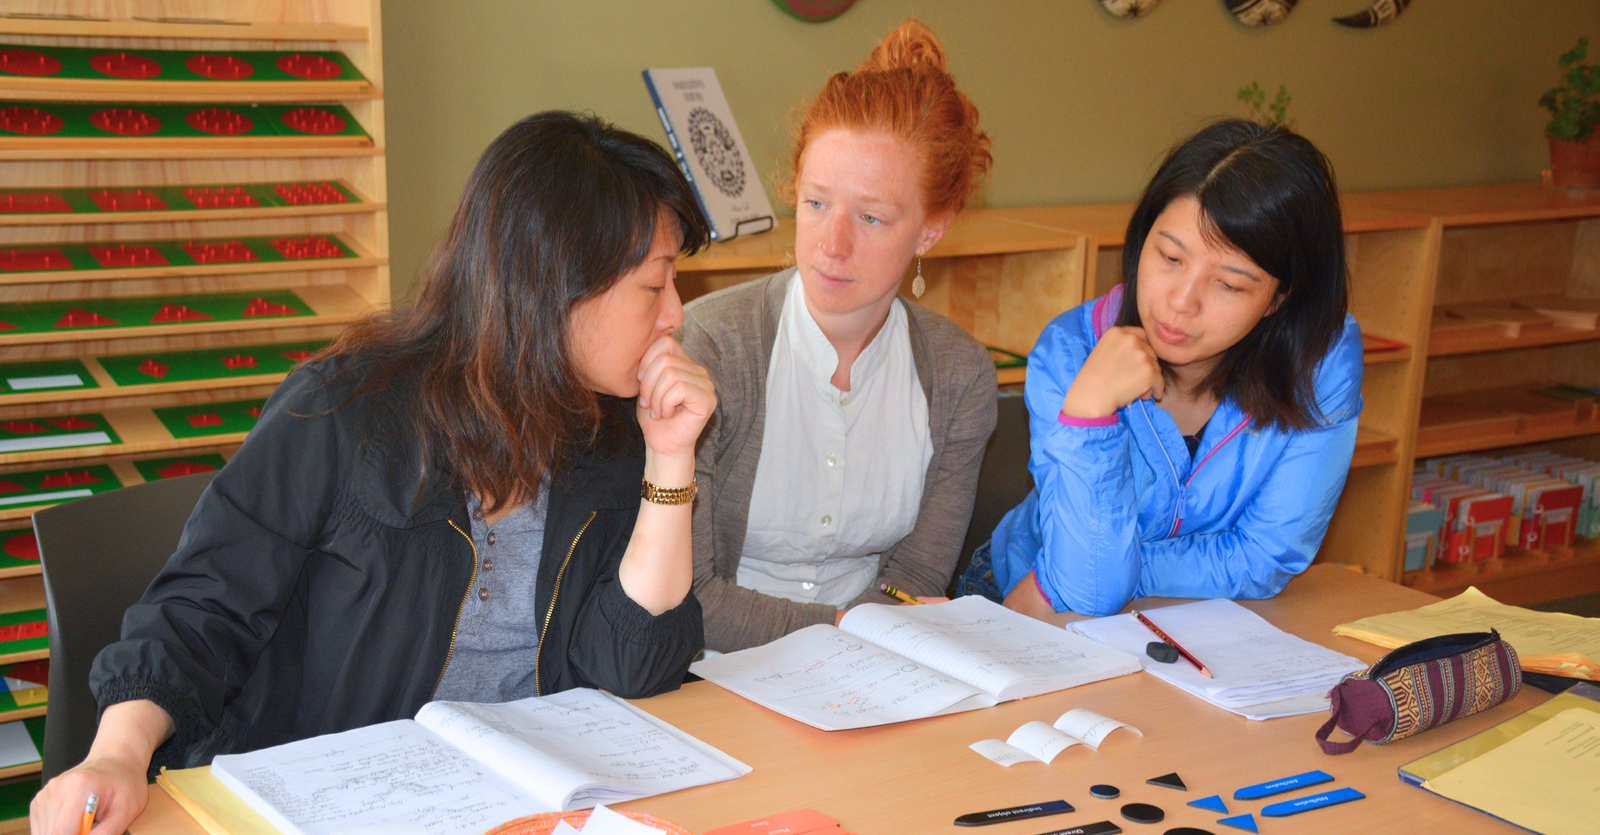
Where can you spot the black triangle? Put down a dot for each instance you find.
(1171, 781)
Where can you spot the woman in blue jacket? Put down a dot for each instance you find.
(1191, 430)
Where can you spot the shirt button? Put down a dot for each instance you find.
(831, 459)
(808, 586)
(483, 594)
(477, 514)
(491, 537)
(488, 565)
(845, 400)
(826, 520)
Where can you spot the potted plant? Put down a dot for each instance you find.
(1574, 107)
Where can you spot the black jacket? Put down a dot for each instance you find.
(316, 590)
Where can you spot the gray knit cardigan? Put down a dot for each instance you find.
(731, 333)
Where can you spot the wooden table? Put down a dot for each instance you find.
(916, 777)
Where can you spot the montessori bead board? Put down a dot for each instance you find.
(109, 126)
(151, 368)
(134, 255)
(19, 551)
(65, 202)
(55, 67)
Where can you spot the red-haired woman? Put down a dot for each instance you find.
(844, 450)
(447, 503)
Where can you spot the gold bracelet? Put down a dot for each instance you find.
(664, 495)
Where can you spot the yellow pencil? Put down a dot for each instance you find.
(88, 814)
(898, 594)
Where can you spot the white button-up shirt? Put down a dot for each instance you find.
(841, 472)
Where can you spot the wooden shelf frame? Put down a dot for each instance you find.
(1001, 280)
(1518, 576)
(130, 28)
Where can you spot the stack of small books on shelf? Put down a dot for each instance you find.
(1536, 501)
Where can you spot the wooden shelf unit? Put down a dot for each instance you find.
(1499, 245)
(338, 290)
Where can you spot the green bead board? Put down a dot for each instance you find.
(205, 419)
(108, 314)
(143, 255)
(45, 375)
(55, 485)
(157, 469)
(209, 364)
(26, 625)
(170, 121)
(60, 432)
(135, 199)
(16, 794)
(101, 64)
(32, 697)
(18, 548)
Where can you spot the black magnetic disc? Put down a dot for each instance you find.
(1188, 830)
(1143, 813)
(1104, 791)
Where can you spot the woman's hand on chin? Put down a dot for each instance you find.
(676, 398)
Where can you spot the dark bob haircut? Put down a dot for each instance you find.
(1270, 194)
(558, 208)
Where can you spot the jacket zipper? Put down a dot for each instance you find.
(538, 653)
(1183, 486)
(459, 609)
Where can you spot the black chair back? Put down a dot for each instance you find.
(1004, 480)
(99, 554)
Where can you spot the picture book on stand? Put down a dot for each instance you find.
(710, 151)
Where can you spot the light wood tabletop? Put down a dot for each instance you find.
(916, 777)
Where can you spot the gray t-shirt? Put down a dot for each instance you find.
(497, 637)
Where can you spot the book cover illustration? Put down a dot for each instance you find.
(706, 141)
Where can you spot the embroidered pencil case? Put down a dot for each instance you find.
(1420, 686)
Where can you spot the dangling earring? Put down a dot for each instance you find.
(918, 286)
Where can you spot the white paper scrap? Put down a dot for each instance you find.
(603, 821)
(1037, 742)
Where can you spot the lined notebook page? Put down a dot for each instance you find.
(392, 772)
(580, 747)
(1006, 654)
(835, 681)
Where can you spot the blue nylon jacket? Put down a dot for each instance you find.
(1121, 511)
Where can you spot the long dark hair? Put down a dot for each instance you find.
(1269, 193)
(559, 207)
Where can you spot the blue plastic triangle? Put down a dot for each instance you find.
(1214, 803)
(1245, 822)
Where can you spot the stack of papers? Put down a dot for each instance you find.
(1260, 671)
(1546, 642)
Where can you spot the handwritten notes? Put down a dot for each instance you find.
(1037, 742)
(1003, 653)
(834, 681)
(396, 771)
(459, 768)
(601, 748)
(1259, 671)
(889, 664)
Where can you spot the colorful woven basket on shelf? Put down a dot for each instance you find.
(545, 823)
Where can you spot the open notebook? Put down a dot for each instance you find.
(459, 768)
(886, 664)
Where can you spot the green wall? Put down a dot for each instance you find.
(1079, 103)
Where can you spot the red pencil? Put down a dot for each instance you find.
(1174, 644)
